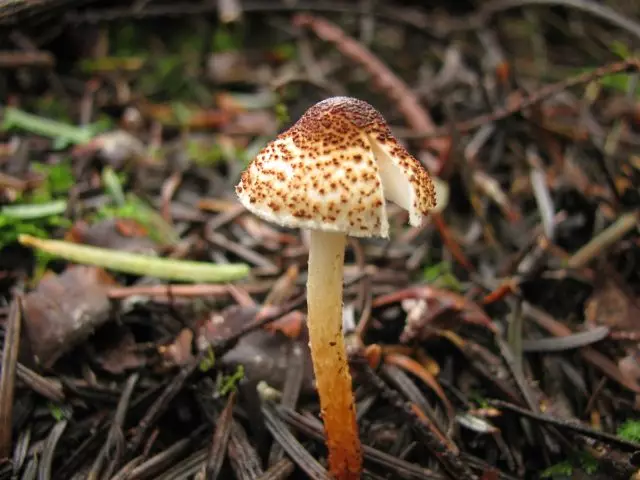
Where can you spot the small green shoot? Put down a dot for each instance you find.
(442, 276)
(59, 179)
(113, 186)
(40, 268)
(589, 463)
(285, 51)
(630, 431)
(126, 40)
(11, 227)
(479, 399)
(564, 469)
(62, 133)
(137, 264)
(164, 75)
(208, 362)
(112, 64)
(181, 113)
(620, 49)
(229, 382)
(41, 210)
(51, 106)
(282, 114)
(226, 39)
(204, 153)
(33, 211)
(618, 81)
(57, 411)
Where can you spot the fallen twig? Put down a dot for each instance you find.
(520, 102)
(172, 290)
(217, 452)
(604, 240)
(592, 356)
(26, 59)
(561, 424)
(8, 376)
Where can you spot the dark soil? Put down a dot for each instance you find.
(499, 340)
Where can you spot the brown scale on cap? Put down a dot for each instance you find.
(326, 172)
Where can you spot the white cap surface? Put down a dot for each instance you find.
(332, 171)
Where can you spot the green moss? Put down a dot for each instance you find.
(57, 412)
(59, 179)
(583, 460)
(208, 362)
(228, 383)
(40, 211)
(630, 431)
(226, 39)
(562, 469)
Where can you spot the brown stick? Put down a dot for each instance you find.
(8, 376)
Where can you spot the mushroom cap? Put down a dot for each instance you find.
(333, 171)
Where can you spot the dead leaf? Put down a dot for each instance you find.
(120, 356)
(262, 353)
(415, 368)
(373, 354)
(490, 474)
(130, 228)
(610, 306)
(290, 324)
(218, 326)
(65, 309)
(284, 288)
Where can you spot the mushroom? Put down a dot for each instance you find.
(331, 173)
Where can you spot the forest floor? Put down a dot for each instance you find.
(499, 340)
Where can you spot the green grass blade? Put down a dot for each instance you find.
(14, 118)
(35, 210)
(136, 264)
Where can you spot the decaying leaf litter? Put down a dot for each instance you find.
(498, 340)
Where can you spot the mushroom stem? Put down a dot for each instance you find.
(333, 380)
